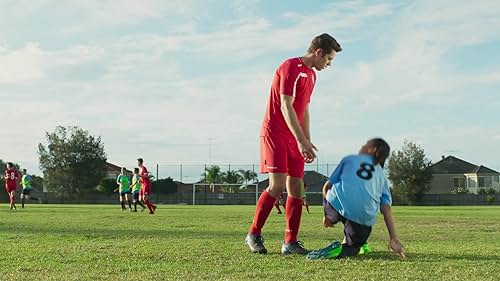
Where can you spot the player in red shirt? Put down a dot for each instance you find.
(146, 186)
(285, 141)
(11, 178)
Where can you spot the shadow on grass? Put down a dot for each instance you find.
(426, 257)
(106, 233)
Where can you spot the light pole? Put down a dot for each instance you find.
(210, 140)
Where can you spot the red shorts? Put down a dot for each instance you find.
(10, 188)
(145, 190)
(281, 155)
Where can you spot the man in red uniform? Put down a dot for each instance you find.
(11, 177)
(285, 141)
(146, 188)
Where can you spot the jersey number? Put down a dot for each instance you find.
(12, 176)
(365, 171)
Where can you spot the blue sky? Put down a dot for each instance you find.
(163, 79)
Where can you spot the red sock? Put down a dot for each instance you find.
(293, 214)
(262, 211)
(150, 206)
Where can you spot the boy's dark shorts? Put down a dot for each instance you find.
(355, 234)
(136, 195)
(26, 191)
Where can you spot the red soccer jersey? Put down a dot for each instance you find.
(292, 78)
(11, 177)
(143, 172)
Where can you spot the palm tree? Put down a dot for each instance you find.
(232, 177)
(212, 175)
(248, 176)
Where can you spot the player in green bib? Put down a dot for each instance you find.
(123, 182)
(26, 183)
(136, 188)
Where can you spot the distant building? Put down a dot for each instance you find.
(112, 171)
(313, 180)
(453, 173)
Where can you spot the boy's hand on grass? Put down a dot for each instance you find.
(397, 248)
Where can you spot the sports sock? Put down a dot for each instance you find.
(262, 211)
(150, 206)
(293, 214)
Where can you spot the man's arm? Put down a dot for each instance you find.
(292, 121)
(306, 124)
(394, 243)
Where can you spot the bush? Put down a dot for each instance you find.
(486, 191)
(107, 186)
(164, 186)
(490, 199)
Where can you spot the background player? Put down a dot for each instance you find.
(123, 182)
(136, 188)
(146, 188)
(11, 178)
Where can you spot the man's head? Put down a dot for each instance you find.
(323, 48)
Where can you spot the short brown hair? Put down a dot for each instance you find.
(382, 150)
(326, 43)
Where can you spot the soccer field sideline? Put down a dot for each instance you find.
(99, 242)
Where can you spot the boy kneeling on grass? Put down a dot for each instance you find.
(353, 195)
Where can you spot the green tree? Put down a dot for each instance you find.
(164, 186)
(212, 174)
(73, 160)
(248, 176)
(232, 177)
(409, 172)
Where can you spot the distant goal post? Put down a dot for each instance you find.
(220, 189)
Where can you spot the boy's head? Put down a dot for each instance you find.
(139, 162)
(9, 165)
(123, 170)
(378, 148)
(23, 171)
(136, 170)
(324, 47)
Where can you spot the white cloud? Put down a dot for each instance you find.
(21, 65)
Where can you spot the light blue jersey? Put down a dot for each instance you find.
(359, 187)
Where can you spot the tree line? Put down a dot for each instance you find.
(73, 161)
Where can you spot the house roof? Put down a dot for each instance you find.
(113, 168)
(454, 165)
(485, 170)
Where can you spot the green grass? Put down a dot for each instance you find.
(99, 242)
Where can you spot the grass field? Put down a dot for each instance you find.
(99, 242)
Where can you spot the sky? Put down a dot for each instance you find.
(187, 82)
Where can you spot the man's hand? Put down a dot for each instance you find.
(307, 149)
(397, 247)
